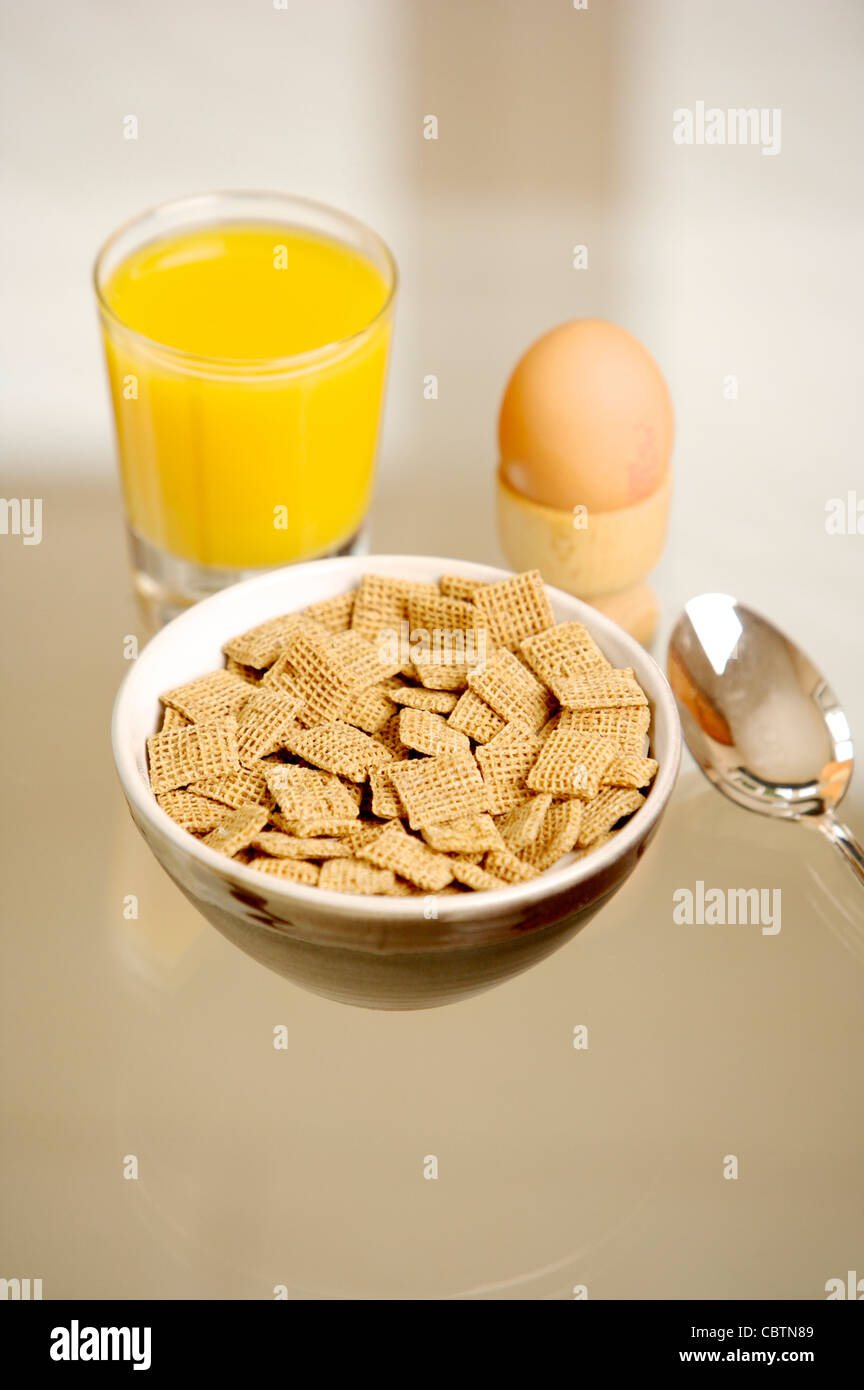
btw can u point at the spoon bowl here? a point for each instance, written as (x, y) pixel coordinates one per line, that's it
(760, 719)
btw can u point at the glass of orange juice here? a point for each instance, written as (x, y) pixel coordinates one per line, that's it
(247, 338)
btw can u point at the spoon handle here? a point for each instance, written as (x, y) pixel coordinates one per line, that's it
(842, 838)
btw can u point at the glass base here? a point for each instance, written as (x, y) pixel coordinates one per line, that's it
(166, 585)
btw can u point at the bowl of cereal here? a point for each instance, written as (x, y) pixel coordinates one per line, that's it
(396, 780)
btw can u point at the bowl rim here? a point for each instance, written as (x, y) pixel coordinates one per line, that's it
(405, 909)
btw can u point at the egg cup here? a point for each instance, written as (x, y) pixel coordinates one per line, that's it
(601, 557)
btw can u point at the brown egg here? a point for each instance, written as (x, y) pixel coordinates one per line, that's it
(586, 419)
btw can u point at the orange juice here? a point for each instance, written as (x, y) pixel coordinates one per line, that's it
(247, 363)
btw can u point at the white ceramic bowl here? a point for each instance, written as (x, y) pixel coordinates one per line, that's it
(375, 951)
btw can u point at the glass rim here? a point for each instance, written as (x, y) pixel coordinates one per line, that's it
(289, 361)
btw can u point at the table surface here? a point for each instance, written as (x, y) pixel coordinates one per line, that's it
(302, 1169)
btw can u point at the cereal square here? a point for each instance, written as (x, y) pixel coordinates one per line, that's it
(408, 857)
(630, 770)
(506, 865)
(443, 788)
(430, 733)
(505, 762)
(627, 726)
(181, 756)
(355, 876)
(512, 691)
(294, 870)
(197, 814)
(568, 649)
(558, 834)
(339, 747)
(469, 835)
(265, 725)
(472, 716)
(332, 613)
(598, 689)
(215, 696)
(515, 608)
(521, 826)
(605, 812)
(572, 766)
(239, 831)
(308, 794)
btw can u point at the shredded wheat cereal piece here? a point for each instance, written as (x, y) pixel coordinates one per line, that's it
(469, 835)
(627, 726)
(444, 675)
(281, 679)
(429, 733)
(435, 701)
(513, 691)
(238, 832)
(521, 826)
(181, 756)
(630, 770)
(354, 790)
(450, 659)
(172, 719)
(214, 696)
(549, 727)
(294, 870)
(572, 766)
(515, 608)
(373, 707)
(449, 641)
(386, 801)
(363, 663)
(596, 844)
(409, 858)
(435, 789)
(605, 811)
(509, 867)
(568, 649)
(339, 747)
(309, 827)
(361, 834)
(454, 586)
(557, 836)
(505, 762)
(282, 846)
(330, 670)
(308, 794)
(389, 738)
(381, 604)
(264, 644)
(475, 877)
(426, 612)
(241, 788)
(246, 673)
(197, 814)
(472, 716)
(332, 613)
(355, 876)
(265, 725)
(599, 690)
(403, 889)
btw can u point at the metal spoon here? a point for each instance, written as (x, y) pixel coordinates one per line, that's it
(760, 720)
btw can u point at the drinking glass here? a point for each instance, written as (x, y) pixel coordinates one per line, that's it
(233, 464)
